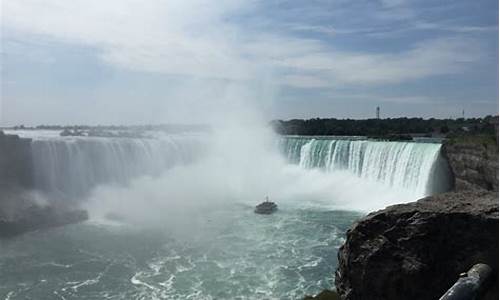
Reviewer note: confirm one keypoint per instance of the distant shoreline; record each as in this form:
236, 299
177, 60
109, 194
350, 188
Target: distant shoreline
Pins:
391, 129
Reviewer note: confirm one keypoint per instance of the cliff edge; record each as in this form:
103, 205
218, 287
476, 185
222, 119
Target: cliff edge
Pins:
474, 162
417, 250
16, 164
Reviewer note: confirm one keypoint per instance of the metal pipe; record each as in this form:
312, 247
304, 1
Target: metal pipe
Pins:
469, 285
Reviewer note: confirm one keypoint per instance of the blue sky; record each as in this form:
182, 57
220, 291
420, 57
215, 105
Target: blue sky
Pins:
135, 62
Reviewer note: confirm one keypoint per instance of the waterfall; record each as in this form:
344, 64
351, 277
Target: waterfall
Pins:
407, 165
70, 167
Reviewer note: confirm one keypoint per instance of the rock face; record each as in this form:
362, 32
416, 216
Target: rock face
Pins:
16, 164
37, 217
474, 164
417, 250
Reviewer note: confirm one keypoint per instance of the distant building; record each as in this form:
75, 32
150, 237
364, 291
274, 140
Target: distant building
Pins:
378, 112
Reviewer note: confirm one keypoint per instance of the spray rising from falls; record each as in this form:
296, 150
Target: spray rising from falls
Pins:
417, 167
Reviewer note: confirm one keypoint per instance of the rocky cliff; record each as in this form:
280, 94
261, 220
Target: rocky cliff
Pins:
417, 250
16, 165
474, 163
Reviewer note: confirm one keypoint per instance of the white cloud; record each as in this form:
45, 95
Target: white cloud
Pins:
196, 38
430, 58
393, 3
305, 81
177, 37
454, 28
328, 30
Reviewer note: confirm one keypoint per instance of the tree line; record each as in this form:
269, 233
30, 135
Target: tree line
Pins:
391, 127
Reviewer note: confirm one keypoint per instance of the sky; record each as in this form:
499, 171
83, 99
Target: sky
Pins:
193, 61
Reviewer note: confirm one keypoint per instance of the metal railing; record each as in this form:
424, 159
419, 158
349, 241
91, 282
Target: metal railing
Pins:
470, 284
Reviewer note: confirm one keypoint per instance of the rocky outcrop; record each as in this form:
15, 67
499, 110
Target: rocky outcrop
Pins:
474, 163
39, 217
16, 164
416, 250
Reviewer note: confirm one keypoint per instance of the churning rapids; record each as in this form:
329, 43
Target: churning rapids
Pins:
171, 216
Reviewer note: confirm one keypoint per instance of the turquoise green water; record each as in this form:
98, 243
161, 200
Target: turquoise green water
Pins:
230, 253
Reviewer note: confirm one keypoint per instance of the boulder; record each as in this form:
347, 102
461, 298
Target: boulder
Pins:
417, 250
39, 217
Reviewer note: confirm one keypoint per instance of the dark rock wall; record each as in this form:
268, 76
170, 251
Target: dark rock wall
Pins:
474, 165
417, 250
16, 175
40, 217
16, 164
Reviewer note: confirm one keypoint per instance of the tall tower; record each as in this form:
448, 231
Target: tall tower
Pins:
378, 112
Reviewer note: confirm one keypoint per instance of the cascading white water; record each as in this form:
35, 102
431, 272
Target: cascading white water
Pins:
407, 165
71, 167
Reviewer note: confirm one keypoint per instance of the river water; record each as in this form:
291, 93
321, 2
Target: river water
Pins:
189, 232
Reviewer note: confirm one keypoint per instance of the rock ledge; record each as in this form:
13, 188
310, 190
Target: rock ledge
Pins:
417, 250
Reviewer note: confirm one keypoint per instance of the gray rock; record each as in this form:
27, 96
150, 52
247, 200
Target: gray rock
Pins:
474, 165
39, 217
16, 164
417, 250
